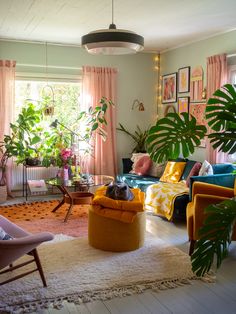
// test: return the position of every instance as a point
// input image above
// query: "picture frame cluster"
(178, 83)
(170, 84)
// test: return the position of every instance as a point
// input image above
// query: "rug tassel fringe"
(101, 295)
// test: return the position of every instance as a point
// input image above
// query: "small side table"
(82, 195)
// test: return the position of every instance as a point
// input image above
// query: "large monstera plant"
(179, 134)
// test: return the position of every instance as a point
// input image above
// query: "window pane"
(65, 94)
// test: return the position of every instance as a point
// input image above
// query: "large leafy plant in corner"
(176, 134)
(139, 138)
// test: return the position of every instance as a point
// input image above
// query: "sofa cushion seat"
(136, 181)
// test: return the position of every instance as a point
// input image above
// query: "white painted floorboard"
(197, 298)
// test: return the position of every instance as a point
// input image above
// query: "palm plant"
(139, 137)
(176, 134)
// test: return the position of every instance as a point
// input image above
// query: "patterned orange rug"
(38, 216)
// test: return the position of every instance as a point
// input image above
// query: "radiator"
(33, 173)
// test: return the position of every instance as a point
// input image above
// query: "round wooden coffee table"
(81, 195)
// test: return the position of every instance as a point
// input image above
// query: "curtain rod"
(231, 55)
(49, 66)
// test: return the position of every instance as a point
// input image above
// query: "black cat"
(119, 191)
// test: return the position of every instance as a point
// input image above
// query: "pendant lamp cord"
(112, 25)
(112, 11)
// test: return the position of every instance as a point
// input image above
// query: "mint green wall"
(193, 55)
(136, 79)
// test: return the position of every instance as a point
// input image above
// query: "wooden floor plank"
(82, 309)
(97, 307)
(71, 307)
(111, 306)
(130, 305)
(206, 297)
(151, 303)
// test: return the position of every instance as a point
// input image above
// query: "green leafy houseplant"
(30, 138)
(139, 137)
(22, 143)
(176, 134)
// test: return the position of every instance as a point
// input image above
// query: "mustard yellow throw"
(160, 197)
(124, 211)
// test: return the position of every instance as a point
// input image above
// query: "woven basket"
(3, 193)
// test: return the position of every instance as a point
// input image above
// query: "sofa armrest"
(211, 190)
(223, 179)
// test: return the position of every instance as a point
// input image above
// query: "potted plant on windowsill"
(177, 134)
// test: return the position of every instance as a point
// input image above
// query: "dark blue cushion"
(180, 204)
(187, 169)
(127, 165)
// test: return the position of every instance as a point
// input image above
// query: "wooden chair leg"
(191, 247)
(39, 266)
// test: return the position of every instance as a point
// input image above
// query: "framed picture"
(198, 111)
(184, 80)
(183, 104)
(169, 88)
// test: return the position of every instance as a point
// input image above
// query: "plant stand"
(3, 193)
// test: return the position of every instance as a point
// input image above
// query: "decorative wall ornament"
(138, 104)
(169, 109)
(184, 80)
(196, 84)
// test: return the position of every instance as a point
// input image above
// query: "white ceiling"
(164, 24)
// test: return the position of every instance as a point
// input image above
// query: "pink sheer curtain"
(216, 77)
(7, 97)
(99, 82)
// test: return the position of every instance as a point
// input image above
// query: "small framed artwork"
(184, 80)
(197, 110)
(169, 88)
(183, 104)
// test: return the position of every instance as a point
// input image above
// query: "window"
(66, 98)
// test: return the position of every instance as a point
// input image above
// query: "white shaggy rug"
(79, 273)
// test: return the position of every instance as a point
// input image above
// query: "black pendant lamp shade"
(112, 41)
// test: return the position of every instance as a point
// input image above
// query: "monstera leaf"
(215, 237)
(176, 134)
(221, 116)
(221, 109)
(224, 141)
(173, 135)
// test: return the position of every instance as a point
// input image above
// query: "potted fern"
(139, 138)
(177, 134)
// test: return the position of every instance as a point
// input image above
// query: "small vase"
(65, 173)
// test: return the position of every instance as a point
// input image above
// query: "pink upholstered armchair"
(21, 244)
